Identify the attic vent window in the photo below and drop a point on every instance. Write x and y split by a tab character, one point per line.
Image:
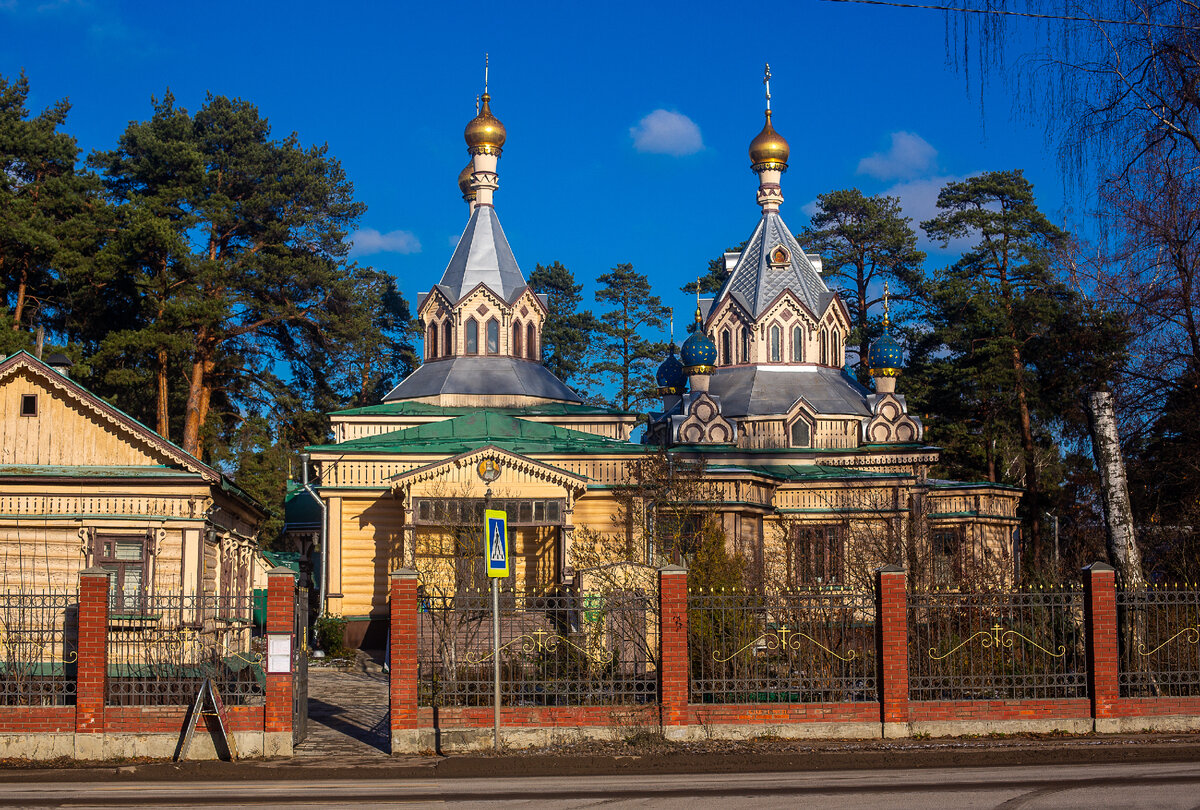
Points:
29	405
779	255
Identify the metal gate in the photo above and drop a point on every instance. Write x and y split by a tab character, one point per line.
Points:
300	668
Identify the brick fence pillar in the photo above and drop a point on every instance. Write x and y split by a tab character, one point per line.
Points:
91	669
1100	605
673	638
402	661
891	634
281	622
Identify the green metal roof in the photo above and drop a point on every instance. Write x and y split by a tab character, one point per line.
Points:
426	409
300	507
78	471
480	429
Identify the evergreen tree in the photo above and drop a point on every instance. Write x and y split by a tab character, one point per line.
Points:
51	215
629	359
567	333
864	242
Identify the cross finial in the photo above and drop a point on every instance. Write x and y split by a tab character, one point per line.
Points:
485	72
887	311
767	82
672	316
477	104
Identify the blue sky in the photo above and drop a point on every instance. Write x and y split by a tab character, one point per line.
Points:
627	123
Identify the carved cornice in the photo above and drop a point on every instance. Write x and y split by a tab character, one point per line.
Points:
513	461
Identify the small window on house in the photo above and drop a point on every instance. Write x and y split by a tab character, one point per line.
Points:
447	338
946	563
823	347
472	336
797	345
493	336
801	435
29	405
124	558
745	345
431	350
531	343
515	349
835	349
725	359
552	511
817	555
776	349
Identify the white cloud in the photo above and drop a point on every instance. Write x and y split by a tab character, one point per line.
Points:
665	132
918	200
909	156
369	240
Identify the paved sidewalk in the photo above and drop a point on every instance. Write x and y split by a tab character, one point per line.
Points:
347	714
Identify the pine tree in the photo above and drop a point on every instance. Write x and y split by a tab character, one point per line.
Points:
865	242
567	333
630	359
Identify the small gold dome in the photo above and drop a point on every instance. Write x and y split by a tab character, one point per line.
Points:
464	181
768	150
484	132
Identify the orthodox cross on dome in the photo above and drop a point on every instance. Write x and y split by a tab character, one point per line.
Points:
671	315
887	311
485	72
767	82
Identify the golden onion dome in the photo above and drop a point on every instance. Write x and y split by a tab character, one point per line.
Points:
464	180
769	150
484	132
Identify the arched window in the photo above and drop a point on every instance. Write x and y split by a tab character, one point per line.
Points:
515	349
493	336
472	336
797	345
835	349
531	343
745	345
725	358
447	338
801	436
431	347
823	348
776	349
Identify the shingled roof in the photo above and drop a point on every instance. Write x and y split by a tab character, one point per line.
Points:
755	284
483	256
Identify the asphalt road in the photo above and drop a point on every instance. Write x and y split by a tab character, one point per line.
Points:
1142	785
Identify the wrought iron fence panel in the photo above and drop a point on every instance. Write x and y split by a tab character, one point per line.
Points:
1159	637
161	649
561	650
39	636
797	647
1010	645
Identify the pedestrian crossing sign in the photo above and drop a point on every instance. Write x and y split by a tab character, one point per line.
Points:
496	542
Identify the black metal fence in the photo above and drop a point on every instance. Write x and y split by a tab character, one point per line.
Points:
161	653
38	648
563	650
1158	632
1012	645
801	647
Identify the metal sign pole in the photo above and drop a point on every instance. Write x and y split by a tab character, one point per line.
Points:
496	663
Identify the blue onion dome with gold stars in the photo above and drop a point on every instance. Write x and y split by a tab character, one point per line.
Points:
886	357
699	353
670	376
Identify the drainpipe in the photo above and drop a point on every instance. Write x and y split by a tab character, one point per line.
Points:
324	579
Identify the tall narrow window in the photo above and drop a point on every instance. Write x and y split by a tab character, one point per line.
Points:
835	348
817	555
472	336
946	562
801	435
515	349
776	350
745	345
797	345
493	336
124	558
431	350
447	338
823	347
531	344
725	358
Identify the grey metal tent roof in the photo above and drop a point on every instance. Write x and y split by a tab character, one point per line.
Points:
483	257
762	390
503	376
755	284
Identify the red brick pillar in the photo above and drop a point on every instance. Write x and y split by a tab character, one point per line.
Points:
1100	605
891	633
91	669
281	624
402	661
673	638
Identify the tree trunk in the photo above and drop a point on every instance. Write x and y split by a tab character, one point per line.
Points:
163	425
19	309
1032	487
1114	489
199	391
